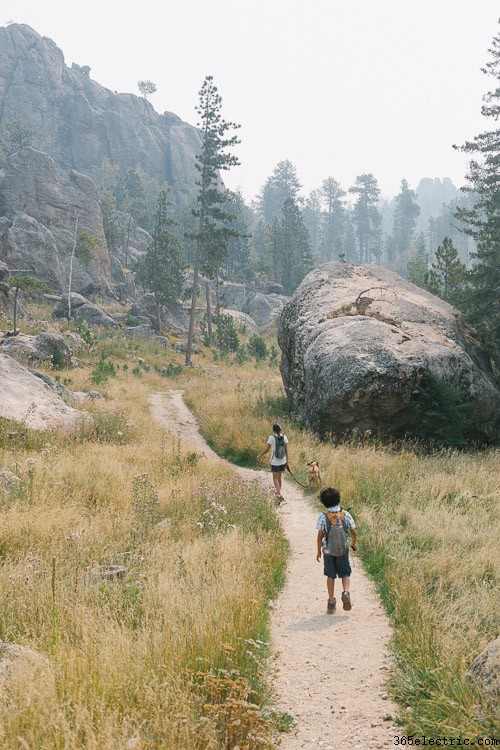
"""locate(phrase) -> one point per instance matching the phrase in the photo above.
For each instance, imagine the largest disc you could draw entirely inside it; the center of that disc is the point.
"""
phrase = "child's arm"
(319, 540)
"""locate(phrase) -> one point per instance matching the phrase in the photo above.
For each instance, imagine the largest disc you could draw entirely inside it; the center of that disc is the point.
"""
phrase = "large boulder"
(265, 308)
(45, 347)
(26, 398)
(83, 309)
(356, 342)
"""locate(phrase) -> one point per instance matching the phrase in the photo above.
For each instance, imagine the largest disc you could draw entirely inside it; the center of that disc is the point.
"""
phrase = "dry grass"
(429, 535)
(153, 659)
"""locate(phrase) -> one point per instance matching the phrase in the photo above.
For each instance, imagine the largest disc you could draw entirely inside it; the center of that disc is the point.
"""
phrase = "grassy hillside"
(175, 652)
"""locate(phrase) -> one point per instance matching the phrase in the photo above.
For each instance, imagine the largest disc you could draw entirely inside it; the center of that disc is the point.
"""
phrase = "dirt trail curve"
(330, 670)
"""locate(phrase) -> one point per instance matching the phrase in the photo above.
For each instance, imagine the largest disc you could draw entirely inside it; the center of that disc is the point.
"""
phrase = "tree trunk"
(196, 271)
(71, 266)
(217, 299)
(157, 307)
(15, 310)
(209, 313)
(128, 239)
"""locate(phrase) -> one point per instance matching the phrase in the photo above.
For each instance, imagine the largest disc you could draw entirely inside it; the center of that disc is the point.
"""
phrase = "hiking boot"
(330, 607)
(346, 600)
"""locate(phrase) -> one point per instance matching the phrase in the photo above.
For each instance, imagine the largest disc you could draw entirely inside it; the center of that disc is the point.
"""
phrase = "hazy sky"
(339, 87)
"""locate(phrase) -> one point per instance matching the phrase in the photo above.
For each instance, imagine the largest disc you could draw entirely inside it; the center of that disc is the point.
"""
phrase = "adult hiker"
(277, 443)
(333, 542)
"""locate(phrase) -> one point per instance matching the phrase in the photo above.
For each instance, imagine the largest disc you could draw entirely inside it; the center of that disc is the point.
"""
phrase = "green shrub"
(257, 347)
(103, 370)
(227, 335)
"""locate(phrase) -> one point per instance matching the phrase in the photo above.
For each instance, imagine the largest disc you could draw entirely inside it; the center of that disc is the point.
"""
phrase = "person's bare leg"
(330, 585)
(345, 583)
(277, 482)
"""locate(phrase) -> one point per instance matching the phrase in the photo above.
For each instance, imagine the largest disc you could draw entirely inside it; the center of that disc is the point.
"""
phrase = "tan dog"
(314, 475)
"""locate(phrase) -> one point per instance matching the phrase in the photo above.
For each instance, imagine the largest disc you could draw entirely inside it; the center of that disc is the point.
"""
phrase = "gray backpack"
(337, 543)
(279, 447)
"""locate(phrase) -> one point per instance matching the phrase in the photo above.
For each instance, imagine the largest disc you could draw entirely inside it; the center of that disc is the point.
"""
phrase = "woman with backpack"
(277, 443)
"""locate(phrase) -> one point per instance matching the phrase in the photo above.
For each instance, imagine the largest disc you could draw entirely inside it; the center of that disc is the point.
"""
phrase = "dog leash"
(296, 480)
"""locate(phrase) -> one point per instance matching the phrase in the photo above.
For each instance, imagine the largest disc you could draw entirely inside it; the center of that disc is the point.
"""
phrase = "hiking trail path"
(329, 670)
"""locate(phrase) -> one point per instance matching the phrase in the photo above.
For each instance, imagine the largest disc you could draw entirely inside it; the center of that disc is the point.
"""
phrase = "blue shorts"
(336, 567)
(282, 467)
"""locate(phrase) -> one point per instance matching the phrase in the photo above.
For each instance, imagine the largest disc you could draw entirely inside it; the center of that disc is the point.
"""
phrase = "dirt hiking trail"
(330, 670)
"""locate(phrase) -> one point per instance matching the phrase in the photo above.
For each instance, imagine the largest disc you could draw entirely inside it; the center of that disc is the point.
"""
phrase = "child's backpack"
(279, 446)
(336, 537)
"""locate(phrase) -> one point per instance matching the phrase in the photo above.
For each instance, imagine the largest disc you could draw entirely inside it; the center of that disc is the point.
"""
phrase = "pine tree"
(367, 217)
(281, 186)
(213, 230)
(334, 220)
(238, 262)
(293, 259)
(160, 269)
(406, 213)
(448, 273)
(482, 302)
(312, 216)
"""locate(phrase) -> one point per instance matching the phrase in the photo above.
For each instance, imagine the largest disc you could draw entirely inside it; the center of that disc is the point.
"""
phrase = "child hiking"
(277, 443)
(333, 542)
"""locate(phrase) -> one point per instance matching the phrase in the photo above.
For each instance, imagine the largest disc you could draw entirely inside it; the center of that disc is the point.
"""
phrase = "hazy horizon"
(338, 89)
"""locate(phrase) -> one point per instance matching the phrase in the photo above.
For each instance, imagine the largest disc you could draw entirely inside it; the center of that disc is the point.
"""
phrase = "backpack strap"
(336, 517)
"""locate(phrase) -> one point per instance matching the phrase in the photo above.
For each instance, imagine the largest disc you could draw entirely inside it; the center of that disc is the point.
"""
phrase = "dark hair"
(330, 497)
(277, 428)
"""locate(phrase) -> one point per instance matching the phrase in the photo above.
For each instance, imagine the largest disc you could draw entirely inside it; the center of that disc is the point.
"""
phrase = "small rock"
(384, 696)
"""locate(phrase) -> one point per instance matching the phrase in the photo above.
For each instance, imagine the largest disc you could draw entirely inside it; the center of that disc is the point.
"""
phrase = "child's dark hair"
(330, 497)
(277, 428)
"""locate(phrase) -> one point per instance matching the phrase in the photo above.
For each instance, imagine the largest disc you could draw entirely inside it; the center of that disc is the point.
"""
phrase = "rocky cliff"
(79, 123)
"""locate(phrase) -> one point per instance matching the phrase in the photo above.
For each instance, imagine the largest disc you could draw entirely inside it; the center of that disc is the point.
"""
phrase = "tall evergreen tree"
(334, 219)
(312, 216)
(448, 273)
(238, 262)
(213, 219)
(367, 217)
(293, 259)
(482, 303)
(406, 213)
(282, 185)
(160, 269)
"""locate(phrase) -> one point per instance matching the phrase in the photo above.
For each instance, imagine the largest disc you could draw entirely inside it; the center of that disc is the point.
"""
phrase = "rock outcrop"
(80, 123)
(262, 308)
(45, 347)
(485, 669)
(83, 309)
(26, 398)
(356, 342)
(44, 213)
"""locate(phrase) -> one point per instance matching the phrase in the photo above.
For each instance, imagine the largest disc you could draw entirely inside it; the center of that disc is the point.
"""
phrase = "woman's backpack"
(337, 543)
(279, 446)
